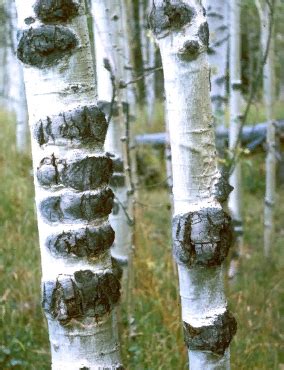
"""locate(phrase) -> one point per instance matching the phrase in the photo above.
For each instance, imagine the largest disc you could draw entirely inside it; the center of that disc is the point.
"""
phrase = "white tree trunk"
(235, 199)
(109, 46)
(218, 49)
(71, 175)
(17, 93)
(269, 95)
(201, 229)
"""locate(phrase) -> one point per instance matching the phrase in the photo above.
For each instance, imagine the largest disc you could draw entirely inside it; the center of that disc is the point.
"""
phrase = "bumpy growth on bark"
(80, 288)
(202, 232)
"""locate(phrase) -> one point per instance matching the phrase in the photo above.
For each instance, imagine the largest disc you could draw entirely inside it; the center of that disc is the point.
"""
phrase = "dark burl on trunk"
(202, 238)
(215, 338)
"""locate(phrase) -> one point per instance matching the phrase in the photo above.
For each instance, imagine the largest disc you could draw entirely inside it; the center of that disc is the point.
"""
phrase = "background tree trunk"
(217, 15)
(17, 93)
(201, 229)
(235, 199)
(71, 175)
(109, 45)
(269, 95)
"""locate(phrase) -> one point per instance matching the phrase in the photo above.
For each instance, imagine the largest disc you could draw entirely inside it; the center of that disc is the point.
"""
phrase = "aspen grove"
(142, 187)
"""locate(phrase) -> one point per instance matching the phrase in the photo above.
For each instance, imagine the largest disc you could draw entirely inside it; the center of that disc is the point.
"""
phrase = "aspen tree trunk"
(148, 54)
(17, 93)
(217, 52)
(108, 31)
(71, 174)
(201, 228)
(235, 199)
(269, 95)
(4, 39)
(132, 8)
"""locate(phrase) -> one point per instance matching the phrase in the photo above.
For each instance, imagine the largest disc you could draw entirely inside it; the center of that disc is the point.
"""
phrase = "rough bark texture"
(201, 229)
(71, 174)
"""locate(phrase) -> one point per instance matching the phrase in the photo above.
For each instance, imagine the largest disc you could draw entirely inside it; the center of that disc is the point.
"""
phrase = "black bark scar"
(45, 45)
(214, 338)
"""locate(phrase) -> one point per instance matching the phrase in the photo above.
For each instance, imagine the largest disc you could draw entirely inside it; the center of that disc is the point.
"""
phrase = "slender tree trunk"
(269, 94)
(235, 199)
(71, 175)
(17, 93)
(218, 49)
(4, 46)
(132, 8)
(201, 229)
(107, 22)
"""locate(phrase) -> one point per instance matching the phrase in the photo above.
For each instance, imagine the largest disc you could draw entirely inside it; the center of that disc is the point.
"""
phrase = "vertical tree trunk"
(109, 50)
(71, 175)
(201, 229)
(218, 50)
(17, 93)
(132, 8)
(235, 199)
(269, 95)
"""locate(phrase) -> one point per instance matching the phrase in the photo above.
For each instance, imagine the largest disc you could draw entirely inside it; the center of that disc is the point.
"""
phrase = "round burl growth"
(189, 51)
(170, 16)
(85, 294)
(202, 238)
(85, 242)
(46, 45)
(50, 11)
(222, 189)
(215, 337)
(84, 124)
(72, 207)
(85, 174)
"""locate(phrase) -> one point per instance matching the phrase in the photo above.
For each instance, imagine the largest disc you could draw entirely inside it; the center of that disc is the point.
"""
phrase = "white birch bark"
(4, 47)
(235, 199)
(109, 46)
(269, 95)
(218, 49)
(71, 174)
(148, 54)
(17, 93)
(201, 229)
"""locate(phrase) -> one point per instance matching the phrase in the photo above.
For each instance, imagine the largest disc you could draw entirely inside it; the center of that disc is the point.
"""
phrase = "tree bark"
(235, 199)
(71, 175)
(269, 95)
(218, 50)
(109, 49)
(17, 93)
(201, 229)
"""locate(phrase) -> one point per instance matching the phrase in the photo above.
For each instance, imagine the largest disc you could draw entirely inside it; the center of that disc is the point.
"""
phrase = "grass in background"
(255, 298)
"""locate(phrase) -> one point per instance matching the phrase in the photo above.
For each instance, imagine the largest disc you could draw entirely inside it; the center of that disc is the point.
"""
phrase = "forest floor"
(158, 345)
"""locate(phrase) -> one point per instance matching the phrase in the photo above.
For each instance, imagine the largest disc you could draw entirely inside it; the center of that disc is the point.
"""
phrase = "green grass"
(158, 345)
